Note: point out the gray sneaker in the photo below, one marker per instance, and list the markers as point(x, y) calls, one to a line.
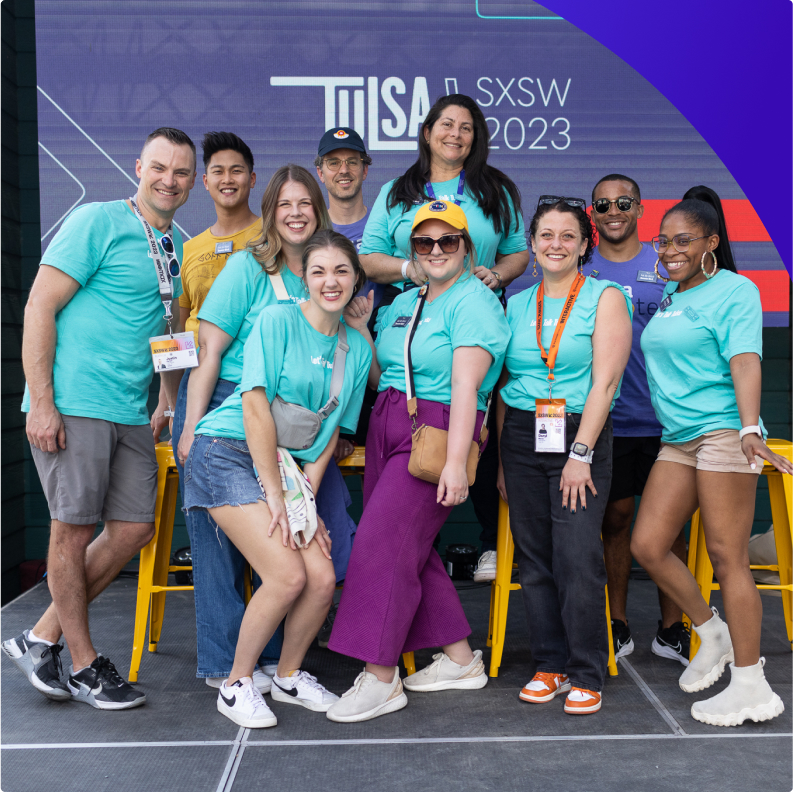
point(368, 698)
point(445, 674)
point(101, 686)
point(40, 663)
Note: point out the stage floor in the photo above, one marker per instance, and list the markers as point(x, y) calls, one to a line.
point(642, 739)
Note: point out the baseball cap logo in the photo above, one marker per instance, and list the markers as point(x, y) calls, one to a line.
point(341, 134)
point(438, 206)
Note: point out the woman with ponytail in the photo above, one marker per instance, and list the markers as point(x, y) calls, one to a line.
point(703, 350)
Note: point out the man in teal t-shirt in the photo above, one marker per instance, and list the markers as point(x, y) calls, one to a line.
point(94, 305)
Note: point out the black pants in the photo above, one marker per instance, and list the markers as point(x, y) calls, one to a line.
point(484, 493)
point(559, 554)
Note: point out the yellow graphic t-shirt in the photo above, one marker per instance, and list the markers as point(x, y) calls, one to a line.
point(202, 264)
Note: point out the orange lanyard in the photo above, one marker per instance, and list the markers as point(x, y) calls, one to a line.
point(549, 358)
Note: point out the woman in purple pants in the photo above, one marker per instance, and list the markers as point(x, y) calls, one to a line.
point(397, 596)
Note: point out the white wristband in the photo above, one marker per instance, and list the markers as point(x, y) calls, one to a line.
point(587, 458)
point(405, 264)
point(750, 430)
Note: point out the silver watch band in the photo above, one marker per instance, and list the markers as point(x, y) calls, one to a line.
point(587, 458)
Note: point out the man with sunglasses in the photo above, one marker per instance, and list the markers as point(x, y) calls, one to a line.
point(106, 283)
point(621, 257)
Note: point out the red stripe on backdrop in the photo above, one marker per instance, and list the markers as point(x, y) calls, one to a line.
point(774, 288)
point(743, 224)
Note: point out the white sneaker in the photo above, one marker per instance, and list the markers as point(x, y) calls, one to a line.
point(303, 689)
point(244, 705)
point(486, 567)
point(369, 698)
point(445, 674)
point(747, 697)
point(714, 653)
point(270, 670)
point(261, 680)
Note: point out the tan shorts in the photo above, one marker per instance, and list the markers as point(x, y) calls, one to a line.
point(719, 451)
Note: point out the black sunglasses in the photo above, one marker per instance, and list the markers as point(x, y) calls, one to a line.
point(173, 262)
point(624, 204)
point(546, 200)
point(449, 243)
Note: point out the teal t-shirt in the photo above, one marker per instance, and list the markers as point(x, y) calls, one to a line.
point(388, 230)
point(688, 347)
point(103, 365)
point(466, 315)
point(528, 375)
point(235, 299)
point(286, 356)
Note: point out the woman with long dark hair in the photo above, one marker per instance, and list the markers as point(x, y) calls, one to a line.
point(703, 350)
point(452, 166)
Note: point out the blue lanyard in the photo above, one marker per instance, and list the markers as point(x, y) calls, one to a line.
point(460, 189)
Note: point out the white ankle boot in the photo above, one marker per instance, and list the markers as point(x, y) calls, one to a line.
point(714, 653)
point(748, 696)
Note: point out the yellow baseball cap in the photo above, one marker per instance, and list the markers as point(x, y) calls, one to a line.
point(442, 210)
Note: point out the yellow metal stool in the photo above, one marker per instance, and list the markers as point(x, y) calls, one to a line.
point(154, 562)
point(503, 585)
point(780, 490)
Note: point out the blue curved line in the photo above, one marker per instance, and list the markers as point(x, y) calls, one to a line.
point(483, 16)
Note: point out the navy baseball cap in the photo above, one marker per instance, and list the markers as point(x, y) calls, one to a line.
point(338, 138)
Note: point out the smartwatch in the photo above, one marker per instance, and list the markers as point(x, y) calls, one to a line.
point(581, 452)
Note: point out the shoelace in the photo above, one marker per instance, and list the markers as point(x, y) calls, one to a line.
point(309, 681)
point(362, 680)
point(548, 679)
point(106, 673)
point(254, 697)
point(55, 655)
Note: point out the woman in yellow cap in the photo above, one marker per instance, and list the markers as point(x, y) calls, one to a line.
point(397, 595)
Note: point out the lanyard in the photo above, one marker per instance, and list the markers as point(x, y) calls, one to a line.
point(163, 275)
point(460, 189)
point(549, 357)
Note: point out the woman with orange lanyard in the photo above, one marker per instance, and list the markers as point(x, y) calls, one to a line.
point(571, 338)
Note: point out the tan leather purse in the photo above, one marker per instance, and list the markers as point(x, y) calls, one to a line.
point(428, 450)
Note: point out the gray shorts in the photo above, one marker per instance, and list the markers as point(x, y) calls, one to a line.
point(108, 471)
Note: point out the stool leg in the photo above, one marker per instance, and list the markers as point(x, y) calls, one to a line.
point(612, 664)
point(693, 543)
point(505, 551)
point(410, 662)
point(492, 613)
point(780, 489)
point(162, 558)
point(703, 572)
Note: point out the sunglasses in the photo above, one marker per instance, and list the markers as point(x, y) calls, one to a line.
point(170, 253)
point(449, 243)
point(545, 200)
point(624, 204)
point(681, 242)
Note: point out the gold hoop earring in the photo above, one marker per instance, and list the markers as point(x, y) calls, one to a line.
point(658, 274)
point(702, 264)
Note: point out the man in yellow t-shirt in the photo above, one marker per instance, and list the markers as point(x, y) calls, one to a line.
point(229, 179)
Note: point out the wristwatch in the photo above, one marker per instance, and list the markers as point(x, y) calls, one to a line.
point(497, 276)
point(581, 452)
point(750, 430)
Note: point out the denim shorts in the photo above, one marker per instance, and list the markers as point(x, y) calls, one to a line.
point(219, 472)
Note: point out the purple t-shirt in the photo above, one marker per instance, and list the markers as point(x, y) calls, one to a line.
point(354, 232)
point(633, 413)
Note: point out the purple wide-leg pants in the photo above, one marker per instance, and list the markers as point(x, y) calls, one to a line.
point(397, 596)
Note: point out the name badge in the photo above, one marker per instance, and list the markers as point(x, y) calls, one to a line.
point(401, 321)
point(594, 273)
point(666, 302)
point(170, 353)
point(550, 427)
point(642, 276)
point(224, 247)
point(691, 313)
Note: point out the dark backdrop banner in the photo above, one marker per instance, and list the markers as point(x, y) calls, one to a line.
point(563, 110)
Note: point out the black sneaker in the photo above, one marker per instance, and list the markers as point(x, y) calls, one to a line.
point(323, 636)
point(101, 686)
point(621, 635)
point(40, 663)
point(673, 642)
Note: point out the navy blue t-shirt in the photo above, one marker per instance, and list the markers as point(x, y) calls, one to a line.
point(633, 413)
point(354, 232)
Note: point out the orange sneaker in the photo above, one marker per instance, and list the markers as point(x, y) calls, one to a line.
point(544, 687)
point(582, 702)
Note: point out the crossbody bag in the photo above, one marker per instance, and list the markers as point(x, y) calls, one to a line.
point(428, 449)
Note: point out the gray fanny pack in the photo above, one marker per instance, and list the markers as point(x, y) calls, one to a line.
point(297, 427)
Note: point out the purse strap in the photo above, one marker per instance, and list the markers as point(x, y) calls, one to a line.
point(410, 388)
point(337, 378)
point(277, 282)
